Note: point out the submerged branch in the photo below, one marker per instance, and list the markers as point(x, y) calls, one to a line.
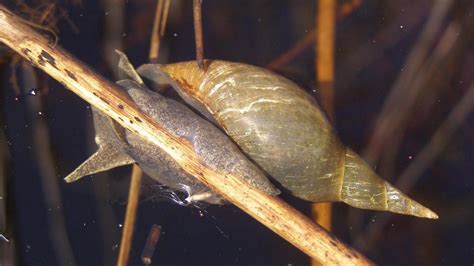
point(324, 61)
point(198, 33)
point(107, 97)
point(131, 214)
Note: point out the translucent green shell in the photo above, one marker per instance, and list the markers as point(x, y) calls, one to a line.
point(283, 130)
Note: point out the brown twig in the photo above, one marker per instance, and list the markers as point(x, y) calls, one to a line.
point(130, 216)
point(156, 33)
point(324, 61)
point(325, 39)
point(108, 98)
point(198, 33)
point(164, 17)
point(150, 245)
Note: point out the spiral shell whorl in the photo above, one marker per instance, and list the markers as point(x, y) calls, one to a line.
point(363, 188)
point(280, 128)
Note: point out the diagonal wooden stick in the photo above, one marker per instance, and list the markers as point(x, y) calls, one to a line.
point(105, 96)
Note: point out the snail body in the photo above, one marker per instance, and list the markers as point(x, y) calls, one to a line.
point(282, 129)
point(118, 146)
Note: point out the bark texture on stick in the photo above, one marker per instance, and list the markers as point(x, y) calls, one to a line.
point(105, 96)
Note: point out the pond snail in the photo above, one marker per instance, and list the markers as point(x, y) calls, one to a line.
point(282, 129)
point(274, 122)
point(118, 146)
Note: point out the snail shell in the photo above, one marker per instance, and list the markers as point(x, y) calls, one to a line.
point(118, 146)
point(282, 129)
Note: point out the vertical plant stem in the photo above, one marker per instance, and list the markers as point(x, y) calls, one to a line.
point(156, 33)
point(135, 183)
point(325, 35)
point(164, 17)
point(130, 216)
point(150, 245)
point(198, 33)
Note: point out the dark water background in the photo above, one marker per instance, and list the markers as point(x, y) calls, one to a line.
point(373, 45)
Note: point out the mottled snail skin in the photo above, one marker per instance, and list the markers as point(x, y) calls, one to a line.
point(283, 130)
point(118, 146)
point(211, 145)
